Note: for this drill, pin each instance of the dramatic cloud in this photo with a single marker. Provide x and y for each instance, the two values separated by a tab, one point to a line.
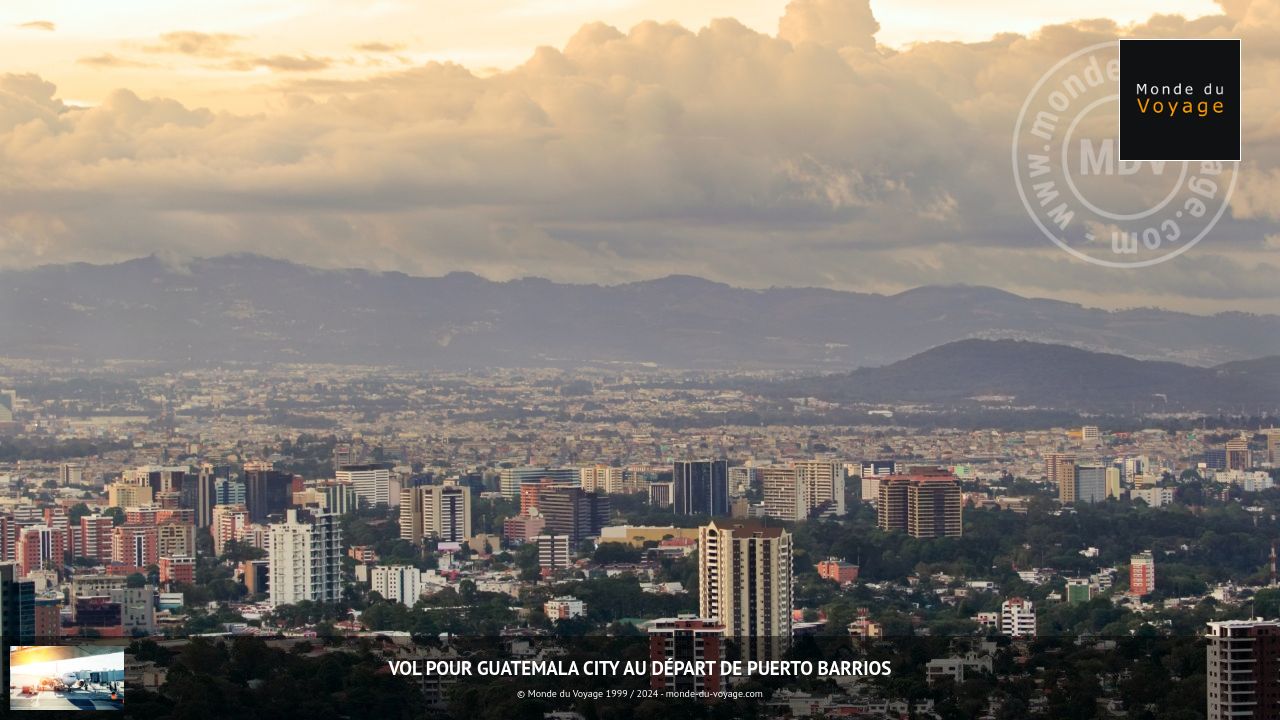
43	25
283	63
186	42
379	47
811	157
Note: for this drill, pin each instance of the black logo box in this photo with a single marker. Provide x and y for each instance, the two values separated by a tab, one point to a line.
1192	63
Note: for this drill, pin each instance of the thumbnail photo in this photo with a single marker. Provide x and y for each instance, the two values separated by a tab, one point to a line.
66	677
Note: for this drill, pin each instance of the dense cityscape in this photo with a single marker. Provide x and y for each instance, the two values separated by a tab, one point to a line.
298	509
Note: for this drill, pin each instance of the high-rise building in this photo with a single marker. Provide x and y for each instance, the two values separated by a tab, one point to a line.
1273	445
135	546
601	478
686	639
1142	574
802	490
1060	472
573	512
1018	617
925	504
1238	454
160	478
371	482
398	583
701	487
176	539
95	537
230	522
441	511
17	607
744	584
554	553
123	494
1091	483
39	546
305	559
510	480
1242	672
661	494
70	474
1113	476
207	488
267	491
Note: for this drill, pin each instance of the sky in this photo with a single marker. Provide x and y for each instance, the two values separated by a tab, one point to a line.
833	143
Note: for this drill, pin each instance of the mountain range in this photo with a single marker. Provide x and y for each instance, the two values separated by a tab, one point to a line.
253	308
993	373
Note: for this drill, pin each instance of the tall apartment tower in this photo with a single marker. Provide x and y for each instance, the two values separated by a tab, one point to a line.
1060	472
745	575
442	512
1142	574
1242	672
926	504
601	478
305	559
802	490
701	487
688	639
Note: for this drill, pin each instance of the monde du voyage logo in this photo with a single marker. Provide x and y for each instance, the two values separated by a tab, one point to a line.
1125	153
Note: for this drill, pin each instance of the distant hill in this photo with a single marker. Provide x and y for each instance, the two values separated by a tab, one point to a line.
976	372
247	307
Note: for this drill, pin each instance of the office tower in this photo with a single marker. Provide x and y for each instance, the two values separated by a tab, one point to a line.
554	553
160	478
267	491
573	512
39	546
1242	670
214	486
744	584
701	487
398	583
1238	454
1018	618
123	494
328	496
531	492
1091	483
1113	476
1090	435
17	607
135	546
1273	445
174	539
925	504
371	482
442	512
305	559
230	522
601	479
70	474
510	480
686	639
662	494
1060	472
1142	574
95	537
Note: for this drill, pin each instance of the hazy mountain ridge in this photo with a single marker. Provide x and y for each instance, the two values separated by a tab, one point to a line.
1018	373
246	307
